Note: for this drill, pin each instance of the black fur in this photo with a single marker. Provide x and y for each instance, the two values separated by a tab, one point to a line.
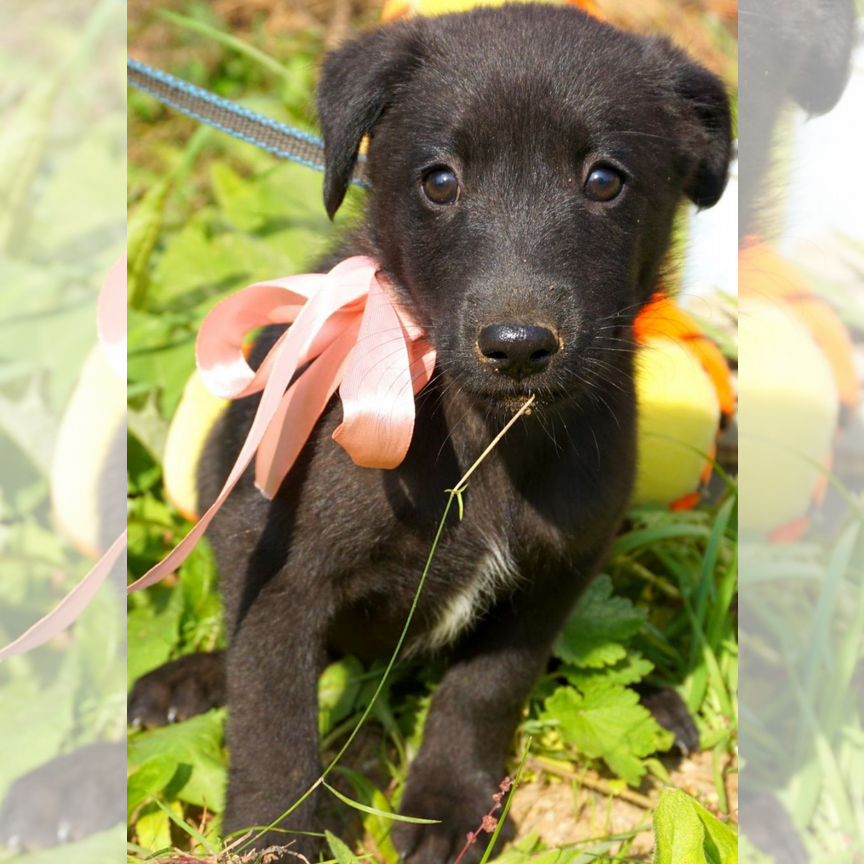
520	103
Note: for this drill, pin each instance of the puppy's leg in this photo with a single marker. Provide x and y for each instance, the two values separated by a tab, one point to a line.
473	718
274	660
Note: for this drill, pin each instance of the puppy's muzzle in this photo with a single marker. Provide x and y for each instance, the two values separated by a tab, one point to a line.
517	350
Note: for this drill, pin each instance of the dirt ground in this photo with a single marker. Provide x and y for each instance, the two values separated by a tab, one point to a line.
565	810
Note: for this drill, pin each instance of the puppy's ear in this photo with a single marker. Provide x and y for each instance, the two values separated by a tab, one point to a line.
707	97
703	106
357	85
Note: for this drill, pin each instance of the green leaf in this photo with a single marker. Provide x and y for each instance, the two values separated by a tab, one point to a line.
374	811
607	722
686	833
532	851
153	636
194	265
677	529
522	851
198	579
287	195
153	827
145	225
338	688
196	748
185	827
631	670
166	369
149	780
599	628
149	428
341	852
202	621
143	471
380	830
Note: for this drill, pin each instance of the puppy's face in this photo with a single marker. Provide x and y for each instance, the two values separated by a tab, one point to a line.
526	165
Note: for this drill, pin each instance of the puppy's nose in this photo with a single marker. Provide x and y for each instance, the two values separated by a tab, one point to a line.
517	350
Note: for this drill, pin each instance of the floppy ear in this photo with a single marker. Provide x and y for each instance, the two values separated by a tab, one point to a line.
357	85
709	101
703	105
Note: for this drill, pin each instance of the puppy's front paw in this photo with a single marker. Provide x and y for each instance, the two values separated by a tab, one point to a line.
460	805
671	712
178	690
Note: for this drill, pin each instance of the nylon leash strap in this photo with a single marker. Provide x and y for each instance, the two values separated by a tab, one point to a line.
229	117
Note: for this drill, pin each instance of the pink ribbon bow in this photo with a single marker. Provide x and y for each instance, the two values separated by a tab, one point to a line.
353	335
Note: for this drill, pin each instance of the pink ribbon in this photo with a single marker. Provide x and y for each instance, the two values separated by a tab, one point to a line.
354	336
70	607
111	322
111	317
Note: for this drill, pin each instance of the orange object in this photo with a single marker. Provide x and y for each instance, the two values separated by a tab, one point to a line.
589	6
394	10
763	273
794	532
691	501
662	318
688	502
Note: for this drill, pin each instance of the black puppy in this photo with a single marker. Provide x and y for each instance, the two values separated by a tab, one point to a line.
526	165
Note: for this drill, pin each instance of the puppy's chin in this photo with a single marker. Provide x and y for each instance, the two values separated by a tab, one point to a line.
503	398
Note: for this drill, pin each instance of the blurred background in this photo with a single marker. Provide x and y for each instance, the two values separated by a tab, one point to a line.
62	426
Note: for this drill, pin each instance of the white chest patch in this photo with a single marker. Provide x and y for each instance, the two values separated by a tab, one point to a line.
495	571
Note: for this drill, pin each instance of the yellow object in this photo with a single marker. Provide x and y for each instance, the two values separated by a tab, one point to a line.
195	417
763	273
89	461
396	9
662	318
788	408
679	412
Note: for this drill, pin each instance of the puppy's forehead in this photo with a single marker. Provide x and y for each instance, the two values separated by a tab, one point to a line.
541	72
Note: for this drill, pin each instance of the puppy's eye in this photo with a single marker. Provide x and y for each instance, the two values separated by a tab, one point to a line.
441	186
603	183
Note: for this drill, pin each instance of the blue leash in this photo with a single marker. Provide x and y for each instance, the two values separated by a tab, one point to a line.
226	116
